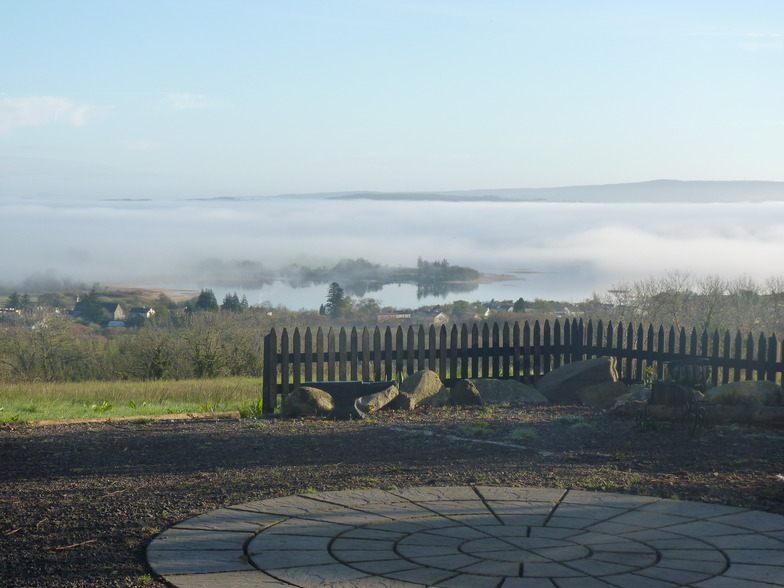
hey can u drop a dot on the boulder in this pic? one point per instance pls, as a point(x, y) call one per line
point(374, 402)
point(307, 401)
point(746, 393)
point(635, 393)
point(416, 387)
point(490, 391)
point(443, 398)
point(562, 384)
point(602, 395)
point(465, 393)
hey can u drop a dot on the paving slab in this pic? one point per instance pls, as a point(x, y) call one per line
point(473, 536)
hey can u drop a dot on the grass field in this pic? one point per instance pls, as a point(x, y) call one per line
point(45, 401)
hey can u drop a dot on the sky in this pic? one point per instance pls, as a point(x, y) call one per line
point(198, 98)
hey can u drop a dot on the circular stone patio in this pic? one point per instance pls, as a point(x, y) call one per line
point(474, 537)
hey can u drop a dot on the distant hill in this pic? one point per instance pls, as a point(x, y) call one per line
point(653, 191)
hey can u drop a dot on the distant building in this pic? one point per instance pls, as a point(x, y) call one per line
point(141, 312)
point(433, 316)
point(115, 311)
point(10, 313)
point(394, 315)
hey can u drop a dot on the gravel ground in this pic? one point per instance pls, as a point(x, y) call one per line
point(80, 502)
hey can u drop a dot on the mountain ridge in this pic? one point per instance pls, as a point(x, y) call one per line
point(649, 191)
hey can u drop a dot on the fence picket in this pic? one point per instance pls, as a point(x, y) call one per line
point(296, 344)
point(443, 353)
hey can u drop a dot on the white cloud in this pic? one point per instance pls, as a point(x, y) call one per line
point(37, 111)
point(757, 43)
point(751, 42)
point(184, 101)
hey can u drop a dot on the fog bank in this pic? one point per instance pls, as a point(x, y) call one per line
point(572, 249)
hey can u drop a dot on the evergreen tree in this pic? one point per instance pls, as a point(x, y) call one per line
point(13, 300)
point(335, 299)
point(231, 303)
point(519, 305)
point(92, 309)
point(206, 300)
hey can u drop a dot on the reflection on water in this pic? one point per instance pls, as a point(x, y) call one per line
point(301, 296)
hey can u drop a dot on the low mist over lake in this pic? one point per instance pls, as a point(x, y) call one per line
point(557, 250)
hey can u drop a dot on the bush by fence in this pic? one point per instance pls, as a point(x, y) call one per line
point(523, 352)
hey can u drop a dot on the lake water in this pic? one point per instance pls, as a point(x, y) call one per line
point(558, 251)
point(396, 295)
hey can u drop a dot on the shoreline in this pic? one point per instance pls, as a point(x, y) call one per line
point(183, 294)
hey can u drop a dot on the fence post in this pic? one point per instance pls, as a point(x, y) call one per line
point(319, 354)
point(269, 401)
point(388, 354)
point(400, 351)
point(443, 352)
point(331, 354)
point(773, 352)
point(354, 354)
point(284, 362)
point(366, 359)
point(308, 355)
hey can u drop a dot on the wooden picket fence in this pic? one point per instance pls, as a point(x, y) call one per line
point(519, 351)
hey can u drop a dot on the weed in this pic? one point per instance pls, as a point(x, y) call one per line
point(477, 429)
point(207, 407)
point(569, 419)
point(597, 482)
point(583, 425)
point(103, 407)
point(617, 456)
point(650, 376)
point(523, 434)
point(252, 410)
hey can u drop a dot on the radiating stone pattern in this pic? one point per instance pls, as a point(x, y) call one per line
point(475, 537)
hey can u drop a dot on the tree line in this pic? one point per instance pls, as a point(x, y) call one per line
point(201, 338)
point(681, 299)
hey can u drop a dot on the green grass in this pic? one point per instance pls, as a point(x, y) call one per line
point(44, 401)
point(478, 429)
point(523, 434)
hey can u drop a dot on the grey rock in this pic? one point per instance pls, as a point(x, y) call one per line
point(416, 387)
point(491, 391)
point(602, 395)
point(374, 402)
point(563, 383)
point(307, 401)
point(746, 393)
point(465, 393)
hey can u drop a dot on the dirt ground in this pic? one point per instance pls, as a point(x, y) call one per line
point(80, 502)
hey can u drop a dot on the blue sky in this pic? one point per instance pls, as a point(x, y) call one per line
point(180, 98)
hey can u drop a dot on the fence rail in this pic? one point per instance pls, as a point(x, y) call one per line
point(519, 351)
